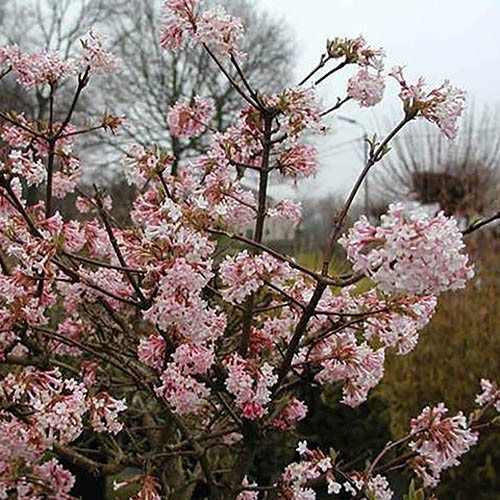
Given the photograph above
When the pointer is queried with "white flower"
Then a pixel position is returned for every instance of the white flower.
(302, 448)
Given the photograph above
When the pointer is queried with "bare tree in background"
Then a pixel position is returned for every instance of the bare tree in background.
(49, 25)
(153, 79)
(460, 175)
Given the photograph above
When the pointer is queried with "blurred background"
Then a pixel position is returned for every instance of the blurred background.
(455, 39)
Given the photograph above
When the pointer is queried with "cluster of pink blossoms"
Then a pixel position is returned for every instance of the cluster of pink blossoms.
(250, 385)
(409, 253)
(160, 305)
(292, 413)
(184, 22)
(31, 165)
(50, 411)
(295, 482)
(438, 442)
(367, 86)
(490, 395)
(187, 120)
(442, 106)
(48, 68)
(244, 274)
(298, 161)
(359, 366)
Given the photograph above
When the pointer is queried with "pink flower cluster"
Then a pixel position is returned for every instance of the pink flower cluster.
(298, 161)
(294, 482)
(356, 50)
(400, 324)
(409, 253)
(292, 413)
(442, 106)
(141, 164)
(181, 391)
(243, 274)
(95, 57)
(287, 210)
(48, 68)
(490, 395)
(299, 111)
(104, 412)
(366, 88)
(53, 412)
(151, 351)
(186, 120)
(342, 358)
(184, 22)
(250, 385)
(438, 442)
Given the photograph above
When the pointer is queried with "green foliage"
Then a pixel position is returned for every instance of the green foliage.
(458, 348)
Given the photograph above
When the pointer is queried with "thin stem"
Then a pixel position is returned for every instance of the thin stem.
(483, 222)
(229, 77)
(323, 60)
(331, 72)
(259, 225)
(375, 156)
(116, 248)
(245, 81)
(340, 102)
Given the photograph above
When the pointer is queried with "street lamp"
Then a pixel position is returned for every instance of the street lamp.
(352, 121)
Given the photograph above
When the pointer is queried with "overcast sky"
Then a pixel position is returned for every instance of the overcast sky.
(454, 39)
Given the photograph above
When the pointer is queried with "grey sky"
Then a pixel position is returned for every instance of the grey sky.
(454, 39)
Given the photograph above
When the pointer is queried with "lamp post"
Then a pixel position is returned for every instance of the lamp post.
(352, 121)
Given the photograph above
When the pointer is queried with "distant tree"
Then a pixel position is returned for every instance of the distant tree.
(153, 79)
(49, 25)
(460, 175)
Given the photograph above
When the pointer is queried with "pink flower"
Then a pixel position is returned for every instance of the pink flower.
(250, 385)
(39, 68)
(73, 329)
(439, 441)
(299, 111)
(182, 392)
(56, 478)
(184, 23)
(248, 495)
(366, 88)
(490, 394)
(178, 23)
(356, 51)
(379, 489)
(243, 274)
(151, 351)
(341, 358)
(296, 476)
(287, 210)
(442, 106)
(187, 120)
(410, 253)
(56, 405)
(194, 359)
(298, 161)
(399, 326)
(95, 57)
(104, 410)
(293, 412)
(220, 30)
(26, 167)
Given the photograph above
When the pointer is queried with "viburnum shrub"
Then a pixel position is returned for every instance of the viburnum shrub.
(174, 345)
